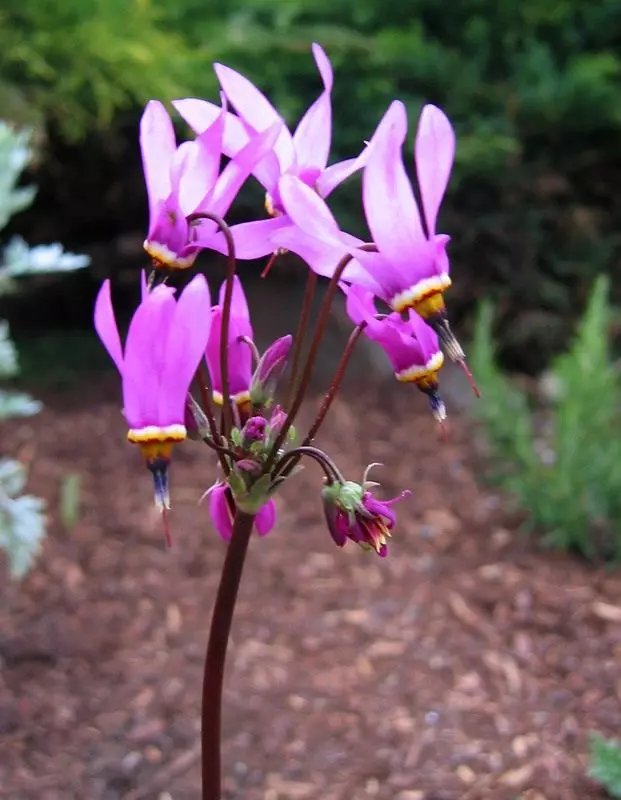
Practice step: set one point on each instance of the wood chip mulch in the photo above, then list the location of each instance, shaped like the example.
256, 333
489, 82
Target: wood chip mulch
468, 664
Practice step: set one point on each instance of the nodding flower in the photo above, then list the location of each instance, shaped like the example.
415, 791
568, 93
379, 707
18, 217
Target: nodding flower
165, 343
185, 180
240, 349
410, 344
353, 513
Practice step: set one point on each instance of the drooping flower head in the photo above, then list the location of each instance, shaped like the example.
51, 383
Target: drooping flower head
410, 344
186, 180
411, 265
165, 342
353, 512
240, 348
303, 153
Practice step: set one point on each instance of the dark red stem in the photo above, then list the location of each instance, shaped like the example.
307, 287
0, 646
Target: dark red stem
213, 676
227, 422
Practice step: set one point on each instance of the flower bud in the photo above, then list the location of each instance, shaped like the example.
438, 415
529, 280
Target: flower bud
269, 371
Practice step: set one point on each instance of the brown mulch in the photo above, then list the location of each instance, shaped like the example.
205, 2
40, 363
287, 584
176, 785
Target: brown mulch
468, 664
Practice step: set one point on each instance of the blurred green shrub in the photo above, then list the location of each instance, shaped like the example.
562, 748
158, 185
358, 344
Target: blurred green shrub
561, 463
605, 768
22, 516
534, 90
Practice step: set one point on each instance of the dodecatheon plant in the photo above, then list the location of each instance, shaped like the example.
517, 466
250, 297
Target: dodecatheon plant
184, 183
165, 343
410, 344
304, 153
353, 512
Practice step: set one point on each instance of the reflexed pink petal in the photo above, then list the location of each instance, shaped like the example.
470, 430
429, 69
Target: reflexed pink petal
266, 518
434, 151
440, 242
360, 304
239, 304
376, 274
106, 327
239, 353
219, 511
185, 346
306, 209
320, 255
333, 176
239, 168
313, 135
157, 146
252, 239
191, 171
212, 350
390, 207
145, 358
426, 336
256, 110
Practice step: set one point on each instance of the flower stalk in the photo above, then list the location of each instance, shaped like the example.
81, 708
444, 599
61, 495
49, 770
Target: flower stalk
215, 657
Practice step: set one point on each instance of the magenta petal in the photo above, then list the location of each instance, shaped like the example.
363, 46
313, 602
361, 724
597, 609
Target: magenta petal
157, 146
169, 229
239, 168
390, 207
145, 358
313, 134
239, 353
376, 274
266, 518
106, 327
434, 152
190, 174
333, 176
426, 336
219, 511
185, 346
256, 110
360, 304
239, 304
306, 209
321, 256
252, 239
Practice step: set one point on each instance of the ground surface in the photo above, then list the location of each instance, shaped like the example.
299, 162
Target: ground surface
466, 665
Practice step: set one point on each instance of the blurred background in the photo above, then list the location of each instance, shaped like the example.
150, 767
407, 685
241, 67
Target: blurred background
473, 663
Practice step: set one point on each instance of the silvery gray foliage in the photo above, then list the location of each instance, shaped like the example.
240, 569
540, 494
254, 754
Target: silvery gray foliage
22, 516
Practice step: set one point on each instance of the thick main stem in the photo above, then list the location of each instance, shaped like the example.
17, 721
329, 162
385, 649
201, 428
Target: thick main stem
221, 621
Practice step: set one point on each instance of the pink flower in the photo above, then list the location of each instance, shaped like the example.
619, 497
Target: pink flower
411, 266
186, 180
353, 513
303, 154
240, 353
410, 344
165, 343
220, 504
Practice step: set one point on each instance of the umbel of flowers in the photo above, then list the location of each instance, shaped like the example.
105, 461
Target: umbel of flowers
189, 365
